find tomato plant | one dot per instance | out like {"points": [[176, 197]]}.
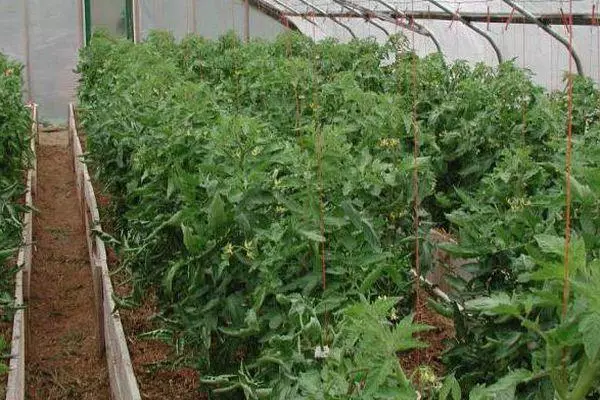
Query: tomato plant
{"points": [[14, 147], [240, 172]]}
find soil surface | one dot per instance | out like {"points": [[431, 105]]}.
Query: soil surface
{"points": [[442, 329], [63, 356], [152, 358], [6, 335]]}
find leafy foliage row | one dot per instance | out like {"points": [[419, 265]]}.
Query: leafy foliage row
{"points": [[14, 150], [233, 214], [234, 168]]}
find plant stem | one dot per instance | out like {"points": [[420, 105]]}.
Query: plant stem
{"points": [[589, 373]]}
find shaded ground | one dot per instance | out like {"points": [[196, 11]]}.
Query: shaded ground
{"points": [[63, 360], [152, 359], [443, 328], [6, 336]]}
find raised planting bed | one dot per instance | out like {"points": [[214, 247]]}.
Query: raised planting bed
{"points": [[112, 343], [15, 386]]}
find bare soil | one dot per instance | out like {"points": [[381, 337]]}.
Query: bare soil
{"points": [[63, 358], [6, 335], [152, 359], [442, 329]]}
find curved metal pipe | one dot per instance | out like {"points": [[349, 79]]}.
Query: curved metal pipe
{"points": [[362, 15], [549, 31], [472, 27], [421, 29], [292, 10], [346, 27]]}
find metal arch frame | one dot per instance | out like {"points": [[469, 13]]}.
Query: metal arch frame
{"points": [[334, 19], [290, 9], [472, 27], [422, 30], [362, 15], [530, 16]]}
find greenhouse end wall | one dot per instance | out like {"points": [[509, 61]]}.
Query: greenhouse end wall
{"points": [[209, 18], [43, 35]]}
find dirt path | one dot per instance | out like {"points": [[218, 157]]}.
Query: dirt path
{"points": [[62, 362]]}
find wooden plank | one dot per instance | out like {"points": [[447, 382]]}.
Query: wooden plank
{"points": [[15, 388], [120, 369]]}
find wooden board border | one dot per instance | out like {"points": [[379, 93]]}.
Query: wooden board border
{"points": [[112, 343], [15, 387]]}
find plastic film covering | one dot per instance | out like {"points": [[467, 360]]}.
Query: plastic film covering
{"points": [[109, 15], [54, 42], [538, 7], [12, 32], [527, 44], [209, 18], [44, 35]]}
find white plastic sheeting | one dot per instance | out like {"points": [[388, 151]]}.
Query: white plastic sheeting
{"points": [[209, 18], [531, 47], [527, 44], [45, 36], [54, 38], [478, 6], [13, 40], [108, 14]]}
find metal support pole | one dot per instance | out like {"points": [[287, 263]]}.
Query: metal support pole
{"points": [[246, 21], [549, 31], [337, 21], [472, 27], [87, 12], [293, 11], [136, 21], [414, 27], [129, 19], [363, 15]]}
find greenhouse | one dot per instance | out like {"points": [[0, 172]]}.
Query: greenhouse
{"points": [[300, 199]]}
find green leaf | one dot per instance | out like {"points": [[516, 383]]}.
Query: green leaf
{"points": [[450, 388], [503, 389], [499, 303], [216, 213], [582, 192], [311, 235], [551, 244], [589, 327], [459, 251]]}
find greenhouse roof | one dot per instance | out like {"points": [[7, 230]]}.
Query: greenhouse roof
{"points": [[344, 7]]}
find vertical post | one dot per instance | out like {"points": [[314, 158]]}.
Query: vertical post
{"points": [[246, 21], [80, 23], [27, 44], [136, 21], [87, 13], [129, 19], [194, 18]]}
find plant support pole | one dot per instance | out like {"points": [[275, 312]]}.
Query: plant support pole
{"points": [[548, 30]]}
